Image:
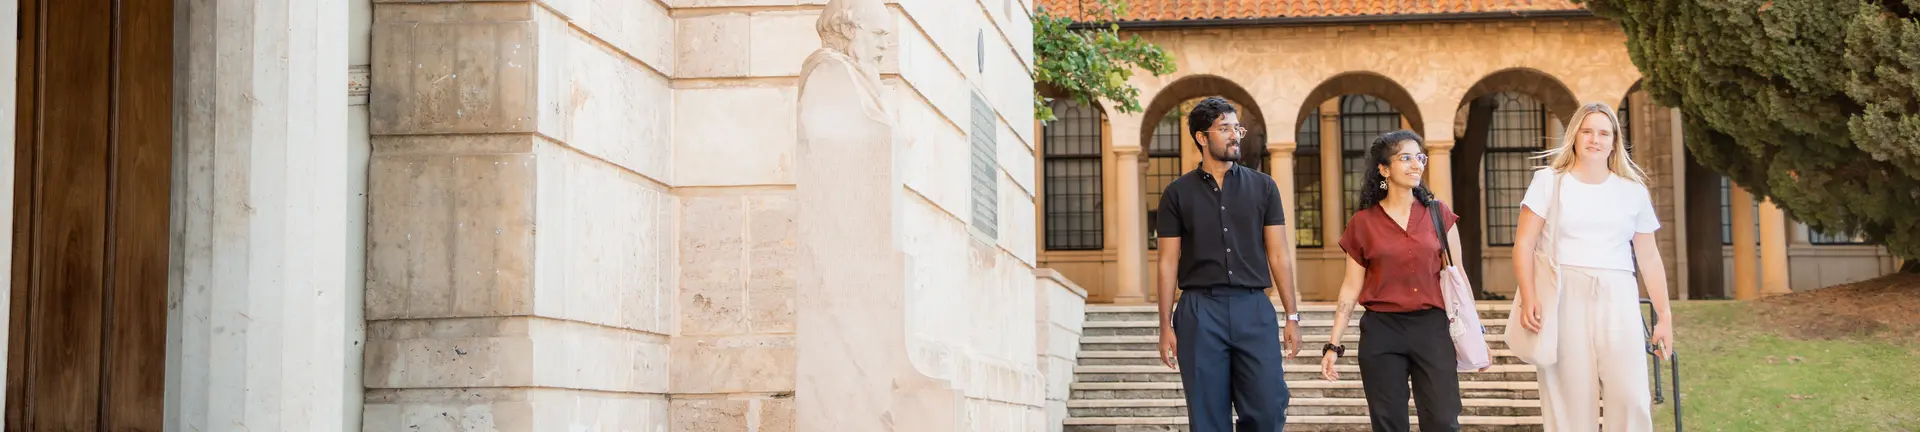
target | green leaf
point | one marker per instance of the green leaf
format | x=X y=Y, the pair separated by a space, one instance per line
x=1092 y=63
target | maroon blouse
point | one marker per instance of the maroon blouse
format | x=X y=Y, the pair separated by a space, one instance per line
x=1403 y=266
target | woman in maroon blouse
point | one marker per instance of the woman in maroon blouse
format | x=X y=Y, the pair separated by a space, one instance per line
x=1393 y=269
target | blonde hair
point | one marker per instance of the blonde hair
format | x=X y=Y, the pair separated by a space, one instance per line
x=1561 y=158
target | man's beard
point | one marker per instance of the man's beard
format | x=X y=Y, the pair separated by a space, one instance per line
x=1225 y=153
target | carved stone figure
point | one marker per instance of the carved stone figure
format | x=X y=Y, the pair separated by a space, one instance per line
x=852 y=372
x=853 y=39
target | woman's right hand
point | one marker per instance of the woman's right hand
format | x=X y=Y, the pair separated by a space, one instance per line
x=1326 y=366
x=1530 y=317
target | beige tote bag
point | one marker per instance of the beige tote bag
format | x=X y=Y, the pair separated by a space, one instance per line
x=1543 y=348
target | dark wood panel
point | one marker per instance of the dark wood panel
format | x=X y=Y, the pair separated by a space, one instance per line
x=136 y=331
x=87 y=342
x=69 y=224
x=25 y=133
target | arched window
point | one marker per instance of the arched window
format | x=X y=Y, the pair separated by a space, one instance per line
x=1306 y=183
x=1072 y=176
x=1518 y=132
x=1163 y=166
x=1362 y=118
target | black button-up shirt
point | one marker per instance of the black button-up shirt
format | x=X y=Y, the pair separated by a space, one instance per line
x=1221 y=226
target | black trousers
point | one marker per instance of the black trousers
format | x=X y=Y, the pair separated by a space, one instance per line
x=1396 y=347
x=1229 y=350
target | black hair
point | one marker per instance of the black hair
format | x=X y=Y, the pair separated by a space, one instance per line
x=1204 y=114
x=1381 y=153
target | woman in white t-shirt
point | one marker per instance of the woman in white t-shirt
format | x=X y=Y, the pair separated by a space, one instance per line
x=1606 y=224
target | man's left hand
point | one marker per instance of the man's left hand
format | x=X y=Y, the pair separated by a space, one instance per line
x=1292 y=338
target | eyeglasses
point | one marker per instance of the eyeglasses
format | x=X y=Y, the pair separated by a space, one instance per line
x=1223 y=129
x=1422 y=158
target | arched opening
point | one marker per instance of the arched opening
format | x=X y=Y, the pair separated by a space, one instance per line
x=1510 y=116
x=1168 y=149
x=1337 y=122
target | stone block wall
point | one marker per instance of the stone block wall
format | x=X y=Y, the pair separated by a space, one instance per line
x=520 y=217
x=971 y=287
x=1061 y=313
x=581 y=214
x=734 y=353
x=734 y=96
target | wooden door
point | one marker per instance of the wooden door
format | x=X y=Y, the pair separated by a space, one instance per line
x=88 y=329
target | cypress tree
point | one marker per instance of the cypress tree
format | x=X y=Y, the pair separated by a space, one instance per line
x=1812 y=103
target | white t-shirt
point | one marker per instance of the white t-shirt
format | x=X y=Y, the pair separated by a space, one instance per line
x=1597 y=222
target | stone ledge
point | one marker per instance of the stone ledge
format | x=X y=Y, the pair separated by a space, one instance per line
x=733 y=364
x=1051 y=274
x=512 y=410
x=999 y=382
x=513 y=352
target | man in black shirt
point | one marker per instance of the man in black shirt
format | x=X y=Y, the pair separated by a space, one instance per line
x=1223 y=243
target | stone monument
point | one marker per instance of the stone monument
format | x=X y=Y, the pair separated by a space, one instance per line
x=853 y=371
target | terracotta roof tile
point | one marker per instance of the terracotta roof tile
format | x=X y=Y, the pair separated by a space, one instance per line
x=1175 y=10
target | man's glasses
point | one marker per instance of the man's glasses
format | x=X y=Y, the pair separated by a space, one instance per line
x=1229 y=130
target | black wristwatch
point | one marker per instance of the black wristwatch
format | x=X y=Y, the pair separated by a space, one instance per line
x=1337 y=350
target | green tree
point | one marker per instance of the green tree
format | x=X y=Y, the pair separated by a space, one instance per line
x=1812 y=103
x=1091 y=61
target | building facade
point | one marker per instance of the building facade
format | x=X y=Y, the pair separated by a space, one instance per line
x=1487 y=84
x=305 y=215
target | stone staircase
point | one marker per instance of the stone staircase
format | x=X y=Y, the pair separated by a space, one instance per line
x=1120 y=385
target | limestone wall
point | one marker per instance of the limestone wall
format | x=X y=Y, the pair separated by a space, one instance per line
x=582 y=214
x=520 y=217
x=972 y=289
x=1060 y=315
x=733 y=154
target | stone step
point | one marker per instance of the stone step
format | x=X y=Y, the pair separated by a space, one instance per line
x=1293 y=372
x=1307 y=327
x=1299 y=389
x=1298 y=406
x=1148 y=312
x=1307 y=356
x=1308 y=343
x=1294 y=423
x=1482 y=305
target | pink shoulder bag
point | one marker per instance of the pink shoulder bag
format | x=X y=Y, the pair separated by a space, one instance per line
x=1463 y=318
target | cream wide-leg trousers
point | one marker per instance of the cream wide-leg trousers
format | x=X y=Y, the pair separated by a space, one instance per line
x=1602 y=356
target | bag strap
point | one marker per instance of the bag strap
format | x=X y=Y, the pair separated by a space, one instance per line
x=1440 y=231
x=1553 y=222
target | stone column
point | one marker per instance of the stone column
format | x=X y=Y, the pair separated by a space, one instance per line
x=1280 y=157
x=520 y=224
x=1130 y=234
x=1440 y=170
x=256 y=330
x=1745 y=287
x=1332 y=210
x=1773 y=250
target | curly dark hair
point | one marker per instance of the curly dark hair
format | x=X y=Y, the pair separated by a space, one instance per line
x=1203 y=115
x=1383 y=148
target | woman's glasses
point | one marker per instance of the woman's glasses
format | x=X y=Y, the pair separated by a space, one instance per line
x=1422 y=158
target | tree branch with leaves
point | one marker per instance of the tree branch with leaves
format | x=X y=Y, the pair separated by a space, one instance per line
x=1091 y=61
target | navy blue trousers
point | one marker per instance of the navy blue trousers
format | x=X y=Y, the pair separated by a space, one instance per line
x=1230 y=360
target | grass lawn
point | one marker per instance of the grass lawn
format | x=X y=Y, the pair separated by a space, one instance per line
x=1744 y=370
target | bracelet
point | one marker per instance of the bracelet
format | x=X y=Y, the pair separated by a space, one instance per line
x=1337 y=350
